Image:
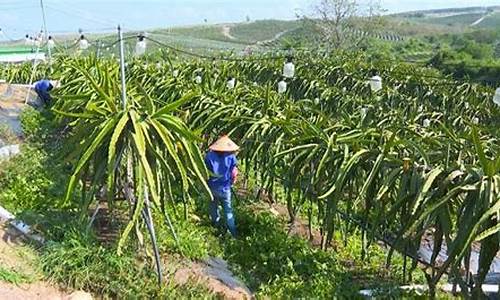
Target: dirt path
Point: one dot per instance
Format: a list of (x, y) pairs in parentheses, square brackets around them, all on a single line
[(226, 31), (12, 102), (18, 276), (214, 273), (478, 21), (276, 37), (25, 282)]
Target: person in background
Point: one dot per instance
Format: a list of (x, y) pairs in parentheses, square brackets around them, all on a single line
[(222, 164), (43, 88)]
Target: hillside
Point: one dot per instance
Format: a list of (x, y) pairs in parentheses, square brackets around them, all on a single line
[(469, 17)]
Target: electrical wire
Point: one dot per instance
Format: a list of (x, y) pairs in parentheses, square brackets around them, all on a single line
[(89, 20), (203, 56), (444, 81)]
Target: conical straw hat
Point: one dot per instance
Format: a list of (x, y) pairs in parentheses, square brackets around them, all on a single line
[(224, 144)]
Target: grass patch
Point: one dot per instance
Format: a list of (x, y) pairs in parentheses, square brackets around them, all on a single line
[(14, 277), (275, 264), (261, 30), (269, 261), (7, 136)]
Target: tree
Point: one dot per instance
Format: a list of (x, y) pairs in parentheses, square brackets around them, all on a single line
[(341, 23)]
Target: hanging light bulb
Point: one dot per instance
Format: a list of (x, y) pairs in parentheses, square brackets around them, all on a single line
[(84, 44), (376, 83), (427, 123), (496, 98), (231, 83), (364, 112), (140, 46), (289, 68), (198, 79), (38, 42), (50, 43), (282, 86)]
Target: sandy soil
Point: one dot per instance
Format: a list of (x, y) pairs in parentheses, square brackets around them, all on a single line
[(12, 101), (15, 256)]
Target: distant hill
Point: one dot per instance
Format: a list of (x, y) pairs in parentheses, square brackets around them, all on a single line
[(237, 36), (457, 18)]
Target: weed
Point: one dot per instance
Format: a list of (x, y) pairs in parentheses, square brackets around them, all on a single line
[(7, 136), (13, 276), (79, 262)]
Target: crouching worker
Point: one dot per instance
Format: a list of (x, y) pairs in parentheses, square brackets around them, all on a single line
[(43, 89), (221, 163)]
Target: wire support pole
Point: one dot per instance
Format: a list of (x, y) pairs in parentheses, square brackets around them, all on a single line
[(32, 76), (122, 68), (45, 29)]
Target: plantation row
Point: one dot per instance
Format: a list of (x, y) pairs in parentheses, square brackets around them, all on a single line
[(420, 156)]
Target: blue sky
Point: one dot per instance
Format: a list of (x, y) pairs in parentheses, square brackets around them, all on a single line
[(18, 17)]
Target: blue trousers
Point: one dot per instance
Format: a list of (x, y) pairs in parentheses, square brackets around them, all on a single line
[(44, 96), (222, 197)]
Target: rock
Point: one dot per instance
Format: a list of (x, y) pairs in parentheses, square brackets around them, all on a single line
[(218, 268), (195, 218), (79, 295), (7, 152)]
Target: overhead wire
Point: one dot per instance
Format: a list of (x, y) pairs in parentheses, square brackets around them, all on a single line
[(203, 56), (87, 19), (451, 81)]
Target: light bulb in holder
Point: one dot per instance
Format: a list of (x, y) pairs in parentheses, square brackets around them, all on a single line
[(140, 46), (282, 86), (50, 43), (375, 83), (231, 83), (364, 112), (198, 79), (83, 43), (496, 98), (289, 68)]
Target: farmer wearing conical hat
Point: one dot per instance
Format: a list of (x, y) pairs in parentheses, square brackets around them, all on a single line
[(221, 162)]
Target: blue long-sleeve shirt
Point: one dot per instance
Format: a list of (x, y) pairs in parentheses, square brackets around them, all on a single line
[(221, 165), (43, 85), (42, 88)]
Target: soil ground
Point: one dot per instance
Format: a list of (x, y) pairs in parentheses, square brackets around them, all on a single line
[(12, 101), (19, 259)]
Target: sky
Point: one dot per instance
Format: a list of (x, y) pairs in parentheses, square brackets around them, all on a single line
[(18, 17)]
